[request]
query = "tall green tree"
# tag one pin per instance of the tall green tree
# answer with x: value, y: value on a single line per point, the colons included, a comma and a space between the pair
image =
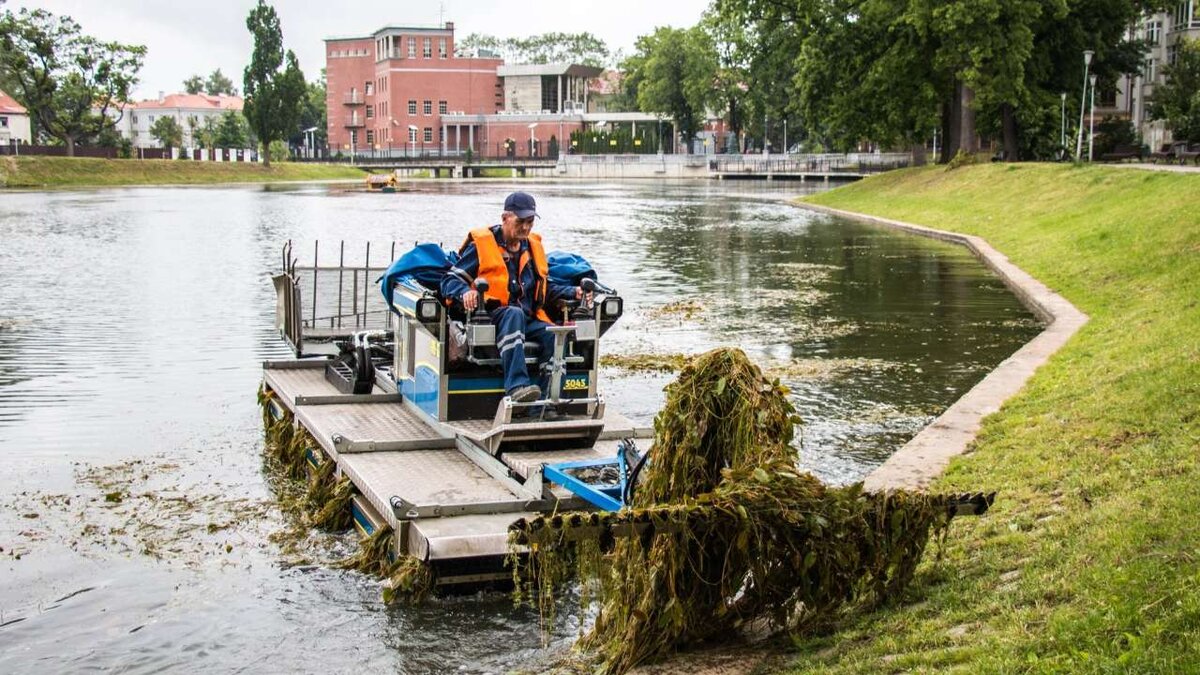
x: 167, y: 132
x: 194, y: 84
x: 273, y: 91
x: 217, y: 84
x: 1178, y: 99
x: 69, y: 82
x: 674, y: 71
x: 231, y: 132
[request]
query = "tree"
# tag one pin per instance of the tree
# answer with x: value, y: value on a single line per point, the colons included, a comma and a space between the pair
x: 206, y: 135
x: 194, y: 84
x: 673, y: 70
x: 167, y: 132
x: 232, y: 131
x: 273, y: 92
x: 313, y: 115
x: 218, y: 84
x: 68, y: 81
x: 1178, y: 99
x: 583, y: 48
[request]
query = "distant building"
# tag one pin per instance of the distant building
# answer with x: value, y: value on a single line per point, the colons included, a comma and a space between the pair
x: 1130, y: 96
x: 14, y: 121
x: 402, y: 89
x: 189, y: 110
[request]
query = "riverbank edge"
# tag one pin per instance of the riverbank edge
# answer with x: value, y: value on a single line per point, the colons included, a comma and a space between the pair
x: 38, y: 173
x: 927, y: 455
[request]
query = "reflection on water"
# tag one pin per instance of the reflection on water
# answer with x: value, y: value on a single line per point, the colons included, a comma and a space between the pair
x: 131, y: 326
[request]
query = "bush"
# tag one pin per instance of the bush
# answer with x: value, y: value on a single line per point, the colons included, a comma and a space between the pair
x: 962, y: 158
x: 278, y: 151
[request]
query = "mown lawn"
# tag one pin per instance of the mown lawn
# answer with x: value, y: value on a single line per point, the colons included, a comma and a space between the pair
x: 35, y: 172
x: 1090, y: 559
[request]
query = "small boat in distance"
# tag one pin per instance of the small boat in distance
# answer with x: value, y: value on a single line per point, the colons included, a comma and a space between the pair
x: 381, y: 182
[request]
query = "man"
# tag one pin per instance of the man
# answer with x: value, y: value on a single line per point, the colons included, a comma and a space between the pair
x: 512, y: 260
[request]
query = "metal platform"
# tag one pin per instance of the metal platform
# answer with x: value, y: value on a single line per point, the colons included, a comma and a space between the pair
x: 435, y: 484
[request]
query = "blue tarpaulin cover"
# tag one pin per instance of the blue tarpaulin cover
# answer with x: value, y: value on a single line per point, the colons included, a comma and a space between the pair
x: 427, y: 264
x: 568, y: 268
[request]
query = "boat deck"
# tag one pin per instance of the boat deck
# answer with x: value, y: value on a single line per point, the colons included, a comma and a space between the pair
x: 434, y: 483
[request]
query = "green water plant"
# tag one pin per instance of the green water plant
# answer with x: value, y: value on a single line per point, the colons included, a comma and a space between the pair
x: 724, y: 531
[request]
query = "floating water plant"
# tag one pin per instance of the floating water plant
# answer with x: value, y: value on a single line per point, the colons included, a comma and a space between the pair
x: 724, y: 531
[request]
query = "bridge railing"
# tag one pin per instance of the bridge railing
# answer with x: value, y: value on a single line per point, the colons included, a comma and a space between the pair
x: 857, y: 163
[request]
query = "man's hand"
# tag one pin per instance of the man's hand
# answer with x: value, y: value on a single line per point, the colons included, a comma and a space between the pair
x: 470, y: 300
x: 585, y: 296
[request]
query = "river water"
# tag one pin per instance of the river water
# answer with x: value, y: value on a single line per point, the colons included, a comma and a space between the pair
x: 138, y: 531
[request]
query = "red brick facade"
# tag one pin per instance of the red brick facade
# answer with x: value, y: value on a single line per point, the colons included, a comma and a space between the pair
x: 382, y: 86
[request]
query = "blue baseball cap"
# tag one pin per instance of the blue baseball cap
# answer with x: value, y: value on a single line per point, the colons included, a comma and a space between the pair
x: 522, y: 204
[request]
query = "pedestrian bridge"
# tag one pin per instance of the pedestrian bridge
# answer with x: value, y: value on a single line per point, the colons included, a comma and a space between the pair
x: 807, y: 167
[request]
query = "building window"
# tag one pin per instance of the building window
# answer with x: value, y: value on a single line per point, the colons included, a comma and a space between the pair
x: 441, y: 107
x: 370, y: 111
x: 428, y: 134
x: 354, y: 137
x: 135, y: 119
x: 1153, y: 32
x: 1172, y: 53
x: 1185, y: 16
x: 1150, y: 70
x: 427, y: 47
x: 4, y: 122
x: 441, y: 134
x: 412, y: 107
x: 442, y: 48
x: 412, y: 135
x: 427, y: 107
x: 370, y: 137
x: 412, y: 47
x: 368, y: 88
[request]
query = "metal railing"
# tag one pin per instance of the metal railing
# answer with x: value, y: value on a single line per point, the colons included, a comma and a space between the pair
x: 329, y: 300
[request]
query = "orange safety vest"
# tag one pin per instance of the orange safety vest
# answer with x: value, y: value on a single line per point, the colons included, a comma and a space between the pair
x: 493, y: 268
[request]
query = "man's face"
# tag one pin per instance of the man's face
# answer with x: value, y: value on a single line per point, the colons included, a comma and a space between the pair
x: 514, y: 228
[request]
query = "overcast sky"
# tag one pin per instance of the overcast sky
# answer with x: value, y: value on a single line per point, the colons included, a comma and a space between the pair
x: 186, y: 38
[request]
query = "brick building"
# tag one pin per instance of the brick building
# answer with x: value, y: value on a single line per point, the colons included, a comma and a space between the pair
x: 390, y: 89
x: 402, y: 91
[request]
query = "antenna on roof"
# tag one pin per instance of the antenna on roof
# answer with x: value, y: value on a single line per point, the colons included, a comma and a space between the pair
x: 441, y: 13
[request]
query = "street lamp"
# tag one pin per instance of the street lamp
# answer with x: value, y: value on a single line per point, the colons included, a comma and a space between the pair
x: 1087, y: 61
x: 1062, y: 126
x: 412, y: 139
x: 1092, y: 118
x: 531, y: 128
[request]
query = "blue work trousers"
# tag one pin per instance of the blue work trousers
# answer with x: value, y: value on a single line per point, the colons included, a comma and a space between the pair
x: 513, y: 328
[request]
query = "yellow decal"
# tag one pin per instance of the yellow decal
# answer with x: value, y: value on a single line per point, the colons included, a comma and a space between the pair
x: 575, y: 384
x: 435, y: 348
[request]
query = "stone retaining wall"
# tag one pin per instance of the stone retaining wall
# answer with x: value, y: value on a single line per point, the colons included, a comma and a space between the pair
x: 928, y: 454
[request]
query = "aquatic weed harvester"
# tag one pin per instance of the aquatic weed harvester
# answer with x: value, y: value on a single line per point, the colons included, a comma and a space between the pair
x: 393, y: 408
x: 400, y: 394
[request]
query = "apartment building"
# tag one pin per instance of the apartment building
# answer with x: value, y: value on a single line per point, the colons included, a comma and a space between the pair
x: 191, y: 111
x: 1163, y: 32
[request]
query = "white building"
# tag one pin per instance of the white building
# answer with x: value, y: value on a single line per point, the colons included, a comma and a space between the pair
x: 189, y: 110
x: 1163, y: 31
x: 14, y: 121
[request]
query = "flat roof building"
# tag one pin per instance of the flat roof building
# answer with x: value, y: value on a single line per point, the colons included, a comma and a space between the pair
x: 402, y: 90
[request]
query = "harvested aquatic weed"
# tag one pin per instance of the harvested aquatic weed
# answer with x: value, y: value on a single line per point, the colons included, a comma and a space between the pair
x: 724, y: 530
x: 406, y: 579
x: 312, y: 490
x: 807, y: 369
x: 634, y: 363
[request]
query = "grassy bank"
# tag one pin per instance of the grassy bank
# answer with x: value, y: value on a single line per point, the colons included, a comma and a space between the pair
x: 35, y: 172
x: 1090, y: 560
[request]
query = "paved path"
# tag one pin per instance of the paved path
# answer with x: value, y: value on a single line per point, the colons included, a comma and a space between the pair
x: 1177, y: 168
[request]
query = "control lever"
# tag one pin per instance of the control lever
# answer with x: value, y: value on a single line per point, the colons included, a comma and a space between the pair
x: 481, y: 314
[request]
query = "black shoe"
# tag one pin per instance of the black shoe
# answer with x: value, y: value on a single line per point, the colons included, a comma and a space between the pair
x: 526, y: 394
